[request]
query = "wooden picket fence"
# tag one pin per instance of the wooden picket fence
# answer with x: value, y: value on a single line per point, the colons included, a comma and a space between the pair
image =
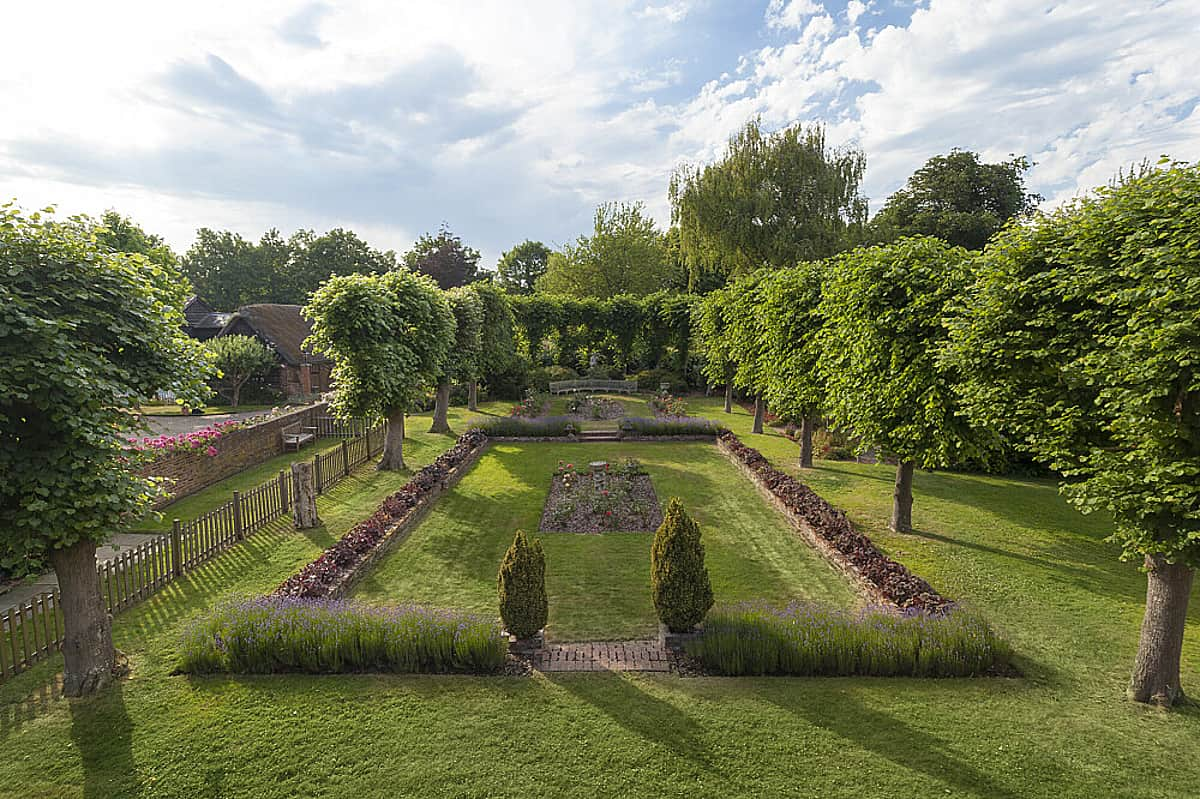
x: 34, y: 629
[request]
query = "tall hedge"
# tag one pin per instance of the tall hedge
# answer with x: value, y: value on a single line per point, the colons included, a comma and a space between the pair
x: 522, y: 583
x: 682, y: 591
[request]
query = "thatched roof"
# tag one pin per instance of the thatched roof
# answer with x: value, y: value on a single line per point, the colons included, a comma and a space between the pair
x: 281, y: 327
x: 201, y: 317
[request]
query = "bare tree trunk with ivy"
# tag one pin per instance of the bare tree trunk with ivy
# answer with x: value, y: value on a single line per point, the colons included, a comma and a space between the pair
x: 441, y: 407
x: 1156, y: 670
x: 760, y: 410
x: 806, y: 443
x: 473, y: 395
x: 393, y: 443
x: 902, y: 498
x: 89, y: 659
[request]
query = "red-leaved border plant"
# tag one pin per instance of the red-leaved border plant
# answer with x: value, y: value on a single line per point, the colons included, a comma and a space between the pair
x: 317, y: 578
x: 896, y: 583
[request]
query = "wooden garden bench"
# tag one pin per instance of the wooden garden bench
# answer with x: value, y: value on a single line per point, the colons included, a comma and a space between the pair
x: 296, y: 435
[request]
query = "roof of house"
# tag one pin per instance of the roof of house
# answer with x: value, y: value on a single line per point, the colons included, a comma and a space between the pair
x: 200, y: 315
x: 280, y: 326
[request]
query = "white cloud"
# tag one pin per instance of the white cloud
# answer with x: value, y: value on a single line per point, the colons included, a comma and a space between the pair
x: 668, y: 12
x: 791, y: 13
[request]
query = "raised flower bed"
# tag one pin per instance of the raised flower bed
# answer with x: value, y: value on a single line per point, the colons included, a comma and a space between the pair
x: 601, y: 498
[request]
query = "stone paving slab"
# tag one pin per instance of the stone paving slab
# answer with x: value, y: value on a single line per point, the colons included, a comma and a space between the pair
x: 604, y: 656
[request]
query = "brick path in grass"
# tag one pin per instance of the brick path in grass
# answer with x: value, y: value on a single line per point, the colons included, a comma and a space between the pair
x: 604, y: 656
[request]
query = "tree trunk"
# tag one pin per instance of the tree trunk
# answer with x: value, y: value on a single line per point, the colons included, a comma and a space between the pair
x: 304, y: 489
x: 441, y: 407
x: 902, y: 498
x: 393, y: 443
x: 1156, y: 669
x: 806, y: 436
x: 760, y: 410
x: 237, y: 392
x: 473, y: 396
x: 729, y: 398
x: 89, y: 659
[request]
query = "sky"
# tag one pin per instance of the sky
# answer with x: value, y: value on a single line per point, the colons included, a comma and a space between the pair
x: 514, y: 120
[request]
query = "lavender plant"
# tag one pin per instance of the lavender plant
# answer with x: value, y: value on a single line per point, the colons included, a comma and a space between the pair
x: 278, y: 634
x: 809, y: 640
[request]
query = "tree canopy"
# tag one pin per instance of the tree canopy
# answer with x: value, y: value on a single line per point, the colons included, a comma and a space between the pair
x: 957, y: 198
x: 444, y: 258
x: 389, y: 337
x: 626, y: 254
x: 85, y: 334
x: 883, y: 311
x: 1081, y: 340
x: 237, y: 359
x: 521, y: 267
x: 774, y: 199
x: 121, y: 234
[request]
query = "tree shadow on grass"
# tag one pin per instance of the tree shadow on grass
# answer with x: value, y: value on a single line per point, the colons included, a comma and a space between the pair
x: 621, y: 699
x: 885, y: 735
x: 103, y: 732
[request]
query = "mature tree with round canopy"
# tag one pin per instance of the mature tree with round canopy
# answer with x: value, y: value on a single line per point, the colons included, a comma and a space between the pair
x: 463, y: 361
x: 238, y: 358
x: 497, y: 340
x: 389, y: 336
x: 519, y: 268
x: 85, y: 334
x: 712, y: 325
x: 883, y: 310
x: 745, y: 339
x: 1081, y: 339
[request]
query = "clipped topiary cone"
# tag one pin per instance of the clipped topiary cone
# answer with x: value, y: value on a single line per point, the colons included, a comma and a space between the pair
x: 682, y: 591
x: 522, y: 586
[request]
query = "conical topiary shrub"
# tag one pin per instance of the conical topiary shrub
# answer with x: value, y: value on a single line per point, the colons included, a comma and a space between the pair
x: 682, y: 592
x: 522, y: 582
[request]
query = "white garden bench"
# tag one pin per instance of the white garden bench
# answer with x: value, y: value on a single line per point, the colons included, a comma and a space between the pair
x: 570, y: 386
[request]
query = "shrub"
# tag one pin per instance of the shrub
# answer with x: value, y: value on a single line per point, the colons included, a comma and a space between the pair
x: 522, y: 586
x: 540, y: 377
x: 808, y: 640
x: 278, y: 634
x: 652, y: 379
x: 670, y: 426
x: 682, y: 592
x: 518, y: 427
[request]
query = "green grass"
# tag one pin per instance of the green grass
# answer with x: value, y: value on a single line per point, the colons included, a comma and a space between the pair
x: 598, y: 585
x: 1038, y: 571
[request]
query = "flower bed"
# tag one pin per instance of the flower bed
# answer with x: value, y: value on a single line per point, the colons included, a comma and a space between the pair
x: 329, y: 573
x: 276, y: 634
x: 195, y: 440
x: 601, y: 500
x: 521, y: 427
x: 807, y: 640
x: 595, y: 408
x: 890, y: 580
x: 666, y: 404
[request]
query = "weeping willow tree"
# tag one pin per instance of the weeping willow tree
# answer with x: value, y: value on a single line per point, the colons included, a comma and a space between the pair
x: 773, y: 200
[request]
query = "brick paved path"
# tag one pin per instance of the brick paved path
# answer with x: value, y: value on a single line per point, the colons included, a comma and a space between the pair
x: 604, y: 656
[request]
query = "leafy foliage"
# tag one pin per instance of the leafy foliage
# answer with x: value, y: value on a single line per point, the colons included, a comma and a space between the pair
x: 522, y: 587
x: 790, y: 322
x: 465, y: 359
x: 121, y: 234
x: 774, y: 199
x: 228, y: 271
x: 626, y: 254
x: 958, y: 199
x: 1081, y: 338
x: 520, y: 268
x: 444, y: 258
x: 883, y: 310
x: 681, y: 589
x: 238, y: 358
x: 85, y: 334
x: 388, y: 335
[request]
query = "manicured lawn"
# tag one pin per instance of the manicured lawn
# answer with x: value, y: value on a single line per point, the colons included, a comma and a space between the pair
x: 599, y: 585
x: 1012, y: 548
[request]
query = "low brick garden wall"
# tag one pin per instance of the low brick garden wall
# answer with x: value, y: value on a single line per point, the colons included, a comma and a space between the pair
x: 193, y: 470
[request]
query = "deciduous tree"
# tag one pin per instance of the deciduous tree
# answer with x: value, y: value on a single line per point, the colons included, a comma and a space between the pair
x: 884, y: 314
x: 520, y: 268
x: 1081, y: 340
x: 85, y: 334
x: 444, y: 258
x: 238, y: 358
x: 626, y: 254
x: 389, y: 337
x: 463, y: 361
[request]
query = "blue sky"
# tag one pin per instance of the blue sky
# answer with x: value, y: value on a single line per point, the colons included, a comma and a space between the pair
x: 514, y: 120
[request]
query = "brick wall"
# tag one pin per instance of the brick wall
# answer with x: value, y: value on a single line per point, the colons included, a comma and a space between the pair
x: 240, y: 449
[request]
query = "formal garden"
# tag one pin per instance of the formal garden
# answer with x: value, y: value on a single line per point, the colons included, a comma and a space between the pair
x: 905, y: 520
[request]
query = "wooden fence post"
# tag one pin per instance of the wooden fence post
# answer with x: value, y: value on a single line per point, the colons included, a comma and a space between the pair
x: 176, y: 549
x: 368, y: 435
x: 304, y: 509
x: 345, y: 458
x: 238, y: 530
x: 283, y: 492
x: 317, y: 472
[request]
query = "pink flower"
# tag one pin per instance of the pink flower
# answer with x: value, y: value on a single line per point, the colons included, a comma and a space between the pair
x: 211, y: 452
